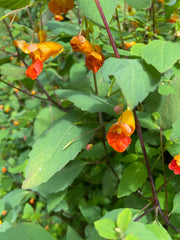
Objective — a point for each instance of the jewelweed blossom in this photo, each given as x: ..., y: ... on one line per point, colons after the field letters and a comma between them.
x: 94, y: 61
x: 60, y: 6
x: 39, y: 53
x: 118, y: 136
x: 80, y: 44
x: 175, y: 164
x: 93, y: 56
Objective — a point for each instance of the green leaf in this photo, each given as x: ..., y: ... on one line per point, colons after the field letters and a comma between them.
x: 1, y: 205
x: 110, y: 182
x: 56, y: 147
x: 63, y: 27
x: 54, y: 199
x: 159, y: 231
x: 129, y: 158
x: 72, y: 234
x: 90, y: 213
x: 135, y: 78
x: 26, y: 231
x: 14, y: 198
x: 88, y: 102
x: 156, y: 103
x: 44, y: 118
x: 139, y: 4
x: 176, y: 204
x: 92, y: 234
x: 146, y: 121
x: 131, y: 237
x: 3, y: 133
x: 12, y: 70
x: 176, y: 130
x: 106, y: 228
x: 165, y: 88
x: 137, y: 49
x: 124, y: 218
x: 171, y: 6
x: 61, y: 180
x: 128, y: 184
x: 91, y: 12
x: 28, y: 211
x: 140, y: 231
x: 162, y: 55
x: 11, y: 4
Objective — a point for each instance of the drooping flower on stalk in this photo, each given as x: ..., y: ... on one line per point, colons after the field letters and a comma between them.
x: 175, y: 164
x: 93, y: 56
x: 58, y: 7
x: 118, y: 136
x: 39, y: 53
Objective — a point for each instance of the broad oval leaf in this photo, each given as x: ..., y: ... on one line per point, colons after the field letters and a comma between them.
x: 26, y: 231
x: 124, y: 219
x: 106, y: 228
x: 63, y: 27
x: 11, y: 4
x: 133, y: 178
x: 139, y: 4
x: 135, y: 78
x: 88, y: 102
x: 176, y: 204
x: 162, y: 55
x: 61, y: 180
x: 53, y: 150
x: 12, y: 71
x: 91, y: 12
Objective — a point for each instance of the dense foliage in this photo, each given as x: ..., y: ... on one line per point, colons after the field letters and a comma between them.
x: 89, y: 119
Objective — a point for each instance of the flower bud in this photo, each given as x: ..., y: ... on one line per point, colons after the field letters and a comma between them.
x: 89, y: 146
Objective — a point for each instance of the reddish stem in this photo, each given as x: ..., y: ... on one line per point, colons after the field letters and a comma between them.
x: 107, y: 28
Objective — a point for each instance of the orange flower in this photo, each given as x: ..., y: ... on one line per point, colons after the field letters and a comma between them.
x: 34, y: 70
x: 60, y: 6
x: 31, y: 201
x: 129, y: 44
x: 39, y: 52
x: 175, y: 164
x: 16, y: 123
x: 58, y: 17
x: 173, y: 19
x: 94, y: 57
x: 161, y: 1
x: 94, y: 61
x: 4, y: 169
x: 80, y: 44
x: 3, y: 212
x: 118, y: 136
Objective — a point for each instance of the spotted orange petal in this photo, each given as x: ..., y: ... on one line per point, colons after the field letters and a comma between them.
x: 94, y: 61
x: 22, y: 45
x: 34, y: 70
x: 117, y: 139
x: 81, y: 44
x: 127, y: 118
x: 46, y: 50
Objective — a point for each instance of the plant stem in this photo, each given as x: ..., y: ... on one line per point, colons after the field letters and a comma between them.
x: 164, y: 174
x: 107, y: 28
x: 119, y: 28
x: 142, y: 215
x: 138, y: 128
x: 104, y: 133
x: 154, y: 16
x: 25, y: 92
